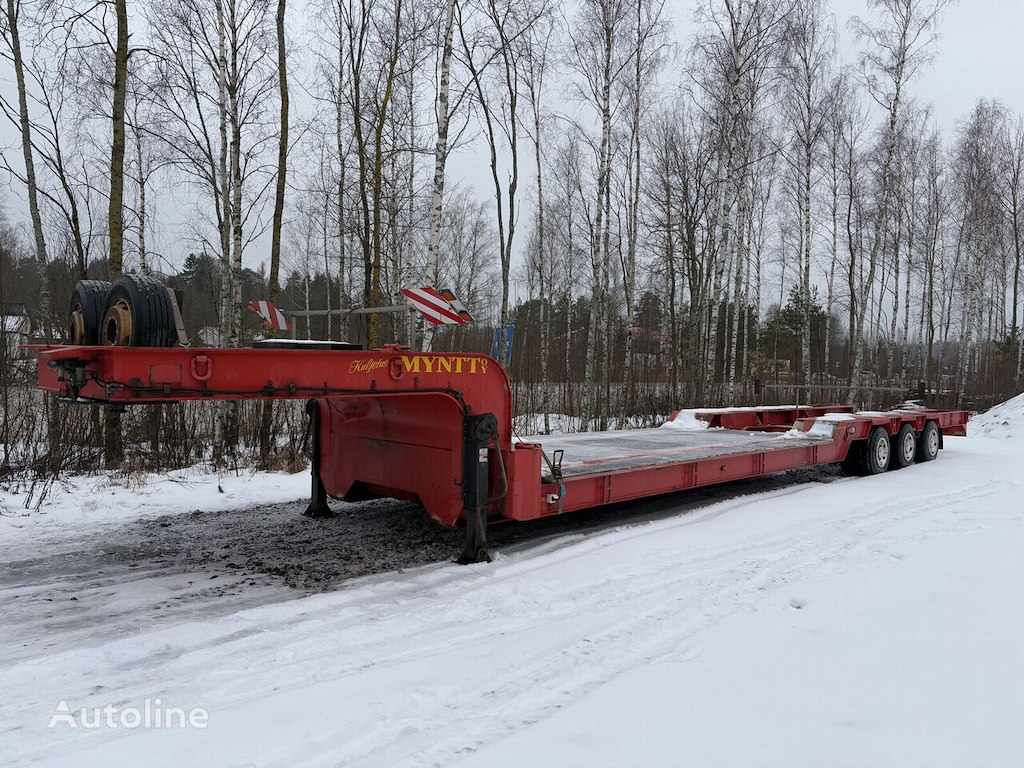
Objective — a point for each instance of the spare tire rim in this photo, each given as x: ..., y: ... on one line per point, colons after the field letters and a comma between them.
x: 76, y: 326
x: 117, y: 325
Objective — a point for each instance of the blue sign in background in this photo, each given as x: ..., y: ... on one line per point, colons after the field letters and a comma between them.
x: 510, y: 330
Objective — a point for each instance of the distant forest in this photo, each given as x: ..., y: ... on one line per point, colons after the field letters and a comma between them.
x: 744, y: 218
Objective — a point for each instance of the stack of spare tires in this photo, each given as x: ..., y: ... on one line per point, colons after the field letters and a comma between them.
x: 131, y: 311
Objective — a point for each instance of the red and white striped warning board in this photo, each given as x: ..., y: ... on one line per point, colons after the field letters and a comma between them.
x: 271, y: 315
x: 433, y: 306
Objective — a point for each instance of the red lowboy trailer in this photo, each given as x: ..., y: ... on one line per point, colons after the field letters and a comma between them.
x: 437, y: 429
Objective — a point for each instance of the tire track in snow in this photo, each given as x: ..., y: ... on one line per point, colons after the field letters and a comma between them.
x: 652, y: 633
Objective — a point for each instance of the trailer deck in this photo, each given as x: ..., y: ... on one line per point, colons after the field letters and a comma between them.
x: 437, y: 429
x: 594, y: 452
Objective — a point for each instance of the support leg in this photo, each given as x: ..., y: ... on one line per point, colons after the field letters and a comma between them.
x: 475, y: 550
x: 477, y: 435
x: 318, y: 507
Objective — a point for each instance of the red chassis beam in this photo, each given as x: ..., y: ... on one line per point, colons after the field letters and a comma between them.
x: 599, y: 487
x: 138, y: 375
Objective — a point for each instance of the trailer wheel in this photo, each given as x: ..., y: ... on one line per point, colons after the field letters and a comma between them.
x: 877, y: 452
x: 85, y: 313
x: 904, y: 447
x: 928, y: 443
x: 138, y: 314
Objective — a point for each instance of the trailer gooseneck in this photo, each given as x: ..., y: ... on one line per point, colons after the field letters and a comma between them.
x: 437, y: 429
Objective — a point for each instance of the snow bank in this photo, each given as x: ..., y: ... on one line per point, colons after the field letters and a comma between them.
x: 823, y: 426
x: 1004, y: 421
x: 687, y: 420
x: 531, y: 425
x: 113, y: 496
x: 559, y: 423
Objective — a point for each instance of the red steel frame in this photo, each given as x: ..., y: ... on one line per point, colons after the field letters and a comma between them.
x: 391, y: 422
x: 586, y: 491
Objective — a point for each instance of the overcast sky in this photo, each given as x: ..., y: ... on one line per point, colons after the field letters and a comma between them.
x: 978, y: 52
x: 978, y: 55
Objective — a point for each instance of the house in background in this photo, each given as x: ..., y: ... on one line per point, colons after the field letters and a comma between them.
x: 209, y: 336
x: 15, y: 330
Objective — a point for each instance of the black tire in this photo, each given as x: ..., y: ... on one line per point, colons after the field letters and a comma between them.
x: 85, y: 312
x: 929, y: 442
x: 904, y: 448
x: 877, y: 452
x: 138, y: 313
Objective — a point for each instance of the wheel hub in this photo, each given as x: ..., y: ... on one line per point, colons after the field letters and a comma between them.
x: 117, y: 325
x: 909, y: 447
x: 882, y: 453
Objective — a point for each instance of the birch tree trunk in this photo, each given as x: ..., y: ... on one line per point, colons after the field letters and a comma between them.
x: 225, y: 180
x: 670, y: 263
x: 644, y: 55
x: 740, y: 260
x: 605, y: 314
x: 834, y: 183
x: 142, y: 181
x: 378, y: 165
x: 113, y: 448
x: 606, y: 18
x: 274, y: 287
x: 440, y: 156
x: 537, y: 59
x: 911, y: 245
x: 440, y: 148
x: 1014, y: 151
x: 343, y: 286
x: 226, y: 412
x: 13, y: 25
x: 115, y: 210
x: 897, y: 250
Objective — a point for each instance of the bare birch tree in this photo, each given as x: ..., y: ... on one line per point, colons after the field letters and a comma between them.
x: 1012, y: 198
x: 441, y: 148
x: 646, y: 45
x: 537, y: 56
x: 740, y: 40
x: 12, y: 40
x: 597, y: 61
x: 492, y: 47
x: 808, y: 55
x: 214, y: 85
x: 897, y: 46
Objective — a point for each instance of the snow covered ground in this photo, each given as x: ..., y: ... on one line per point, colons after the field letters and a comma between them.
x: 863, y: 622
